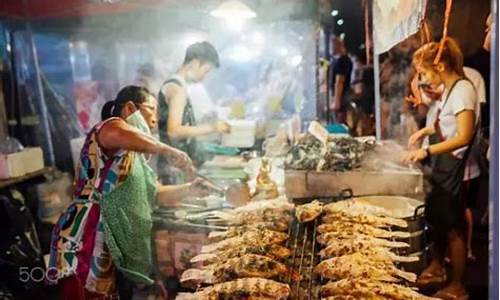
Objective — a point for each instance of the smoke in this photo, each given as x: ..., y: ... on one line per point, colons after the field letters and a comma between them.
x: 262, y: 61
x: 395, y: 178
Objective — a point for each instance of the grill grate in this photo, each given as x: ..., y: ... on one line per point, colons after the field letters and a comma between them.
x: 302, y: 241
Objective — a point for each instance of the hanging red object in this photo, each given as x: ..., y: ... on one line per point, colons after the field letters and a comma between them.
x: 449, y: 4
x: 368, y: 38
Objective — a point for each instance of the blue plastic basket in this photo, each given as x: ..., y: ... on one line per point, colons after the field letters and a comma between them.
x: 337, y: 128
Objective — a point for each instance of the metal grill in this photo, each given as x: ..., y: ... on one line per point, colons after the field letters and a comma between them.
x: 302, y: 242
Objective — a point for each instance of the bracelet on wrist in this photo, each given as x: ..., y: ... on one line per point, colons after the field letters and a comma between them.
x: 427, y: 151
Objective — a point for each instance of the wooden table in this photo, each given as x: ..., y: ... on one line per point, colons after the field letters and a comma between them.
x: 12, y: 181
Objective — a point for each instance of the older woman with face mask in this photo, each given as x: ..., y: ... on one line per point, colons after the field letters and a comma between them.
x: 107, y: 229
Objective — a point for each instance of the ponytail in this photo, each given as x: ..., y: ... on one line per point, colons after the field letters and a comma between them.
x: 108, y: 110
x: 131, y: 93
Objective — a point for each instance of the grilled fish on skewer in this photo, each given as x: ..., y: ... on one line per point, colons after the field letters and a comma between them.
x: 308, y: 212
x: 355, y: 206
x: 237, y: 231
x: 346, y: 247
x: 353, y: 229
x: 351, y: 217
x: 357, y: 265
x: 280, y: 204
x: 257, y: 216
x: 245, y: 288
x: 277, y: 225
x: 359, y: 296
x: 381, y: 289
x: 249, y: 265
x: 249, y: 238
x: 274, y: 251
x: 341, y: 237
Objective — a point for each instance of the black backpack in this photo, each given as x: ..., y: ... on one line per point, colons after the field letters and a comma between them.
x: 19, y: 248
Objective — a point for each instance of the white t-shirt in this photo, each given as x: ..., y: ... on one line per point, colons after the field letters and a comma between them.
x: 463, y: 97
x: 477, y: 80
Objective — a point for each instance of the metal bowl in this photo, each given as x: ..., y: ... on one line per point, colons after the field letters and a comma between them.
x: 238, y: 194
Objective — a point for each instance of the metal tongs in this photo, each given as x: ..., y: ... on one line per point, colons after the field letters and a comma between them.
x: 212, y: 185
x: 185, y: 211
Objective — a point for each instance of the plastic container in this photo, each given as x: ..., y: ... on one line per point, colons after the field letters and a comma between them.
x: 242, y: 134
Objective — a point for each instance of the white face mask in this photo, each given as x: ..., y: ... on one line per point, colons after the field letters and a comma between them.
x: 440, y: 89
x: 426, y: 100
x: 137, y: 120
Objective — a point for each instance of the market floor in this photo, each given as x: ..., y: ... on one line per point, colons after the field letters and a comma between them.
x: 477, y: 276
x: 476, y: 273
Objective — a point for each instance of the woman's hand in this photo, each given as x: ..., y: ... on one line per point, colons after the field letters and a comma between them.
x: 179, y: 159
x: 197, y: 188
x: 190, y: 173
x: 416, y: 139
x: 414, y: 156
x: 221, y: 127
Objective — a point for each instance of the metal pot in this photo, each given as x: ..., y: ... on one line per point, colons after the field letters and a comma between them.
x: 238, y: 194
x: 418, y: 231
x: 417, y: 221
x: 417, y: 241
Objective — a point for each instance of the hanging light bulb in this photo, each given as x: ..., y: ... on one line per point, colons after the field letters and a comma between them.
x: 233, y: 9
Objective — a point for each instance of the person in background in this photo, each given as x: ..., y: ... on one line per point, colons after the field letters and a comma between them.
x: 114, y: 192
x: 357, y: 68
x: 341, y: 69
x: 364, y: 92
x: 427, y: 100
x: 481, y: 61
x: 177, y: 123
x: 450, y: 138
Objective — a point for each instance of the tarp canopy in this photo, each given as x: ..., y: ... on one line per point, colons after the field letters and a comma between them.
x: 46, y: 9
x: 42, y: 9
x: 394, y: 21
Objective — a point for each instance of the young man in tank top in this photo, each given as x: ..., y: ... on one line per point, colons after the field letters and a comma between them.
x: 177, y: 122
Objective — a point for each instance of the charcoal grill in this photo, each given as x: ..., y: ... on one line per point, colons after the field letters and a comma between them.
x: 302, y: 241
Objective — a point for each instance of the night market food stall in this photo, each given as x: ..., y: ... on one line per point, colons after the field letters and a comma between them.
x: 297, y: 207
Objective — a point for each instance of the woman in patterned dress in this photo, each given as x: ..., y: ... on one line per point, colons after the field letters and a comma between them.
x: 80, y: 260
